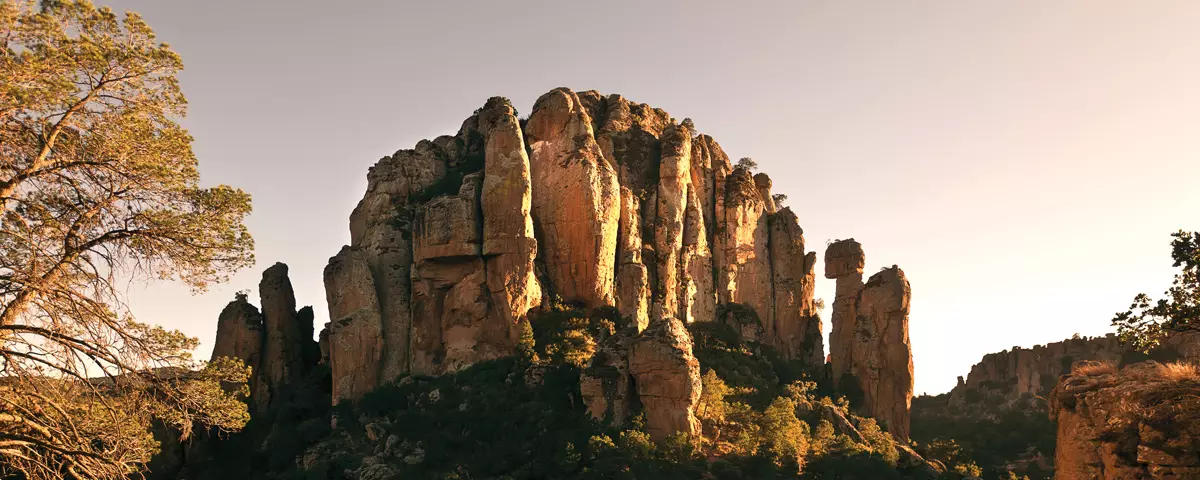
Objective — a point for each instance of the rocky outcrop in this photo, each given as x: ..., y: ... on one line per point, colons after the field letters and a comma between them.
x: 606, y: 385
x: 277, y: 343
x: 1035, y: 370
x: 354, y: 338
x: 882, y: 354
x: 594, y: 200
x: 576, y: 199
x: 797, y: 327
x: 633, y: 281
x: 745, y: 275
x: 844, y: 261
x: 1141, y: 422
x: 667, y: 377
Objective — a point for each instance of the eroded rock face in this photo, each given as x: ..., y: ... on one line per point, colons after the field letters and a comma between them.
x: 239, y: 332
x: 606, y: 385
x: 882, y: 353
x: 1136, y: 423
x: 355, y: 333
x: 745, y: 275
x: 505, y: 204
x: 633, y: 281
x: 277, y: 343
x: 667, y: 376
x: 576, y: 199
x: 797, y: 328
x: 844, y: 261
x: 594, y: 200
x: 288, y: 335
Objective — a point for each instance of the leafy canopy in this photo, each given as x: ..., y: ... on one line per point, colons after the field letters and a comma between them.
x: 1147, y: 324
x: 99, y: 185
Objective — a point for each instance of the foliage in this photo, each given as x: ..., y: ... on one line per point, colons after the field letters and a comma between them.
x: 569, y: 334
x: 1148, y: 324
x: 99, y: 185
x: 990, y: 428
x: 779, y: 198
x: 747, y: 163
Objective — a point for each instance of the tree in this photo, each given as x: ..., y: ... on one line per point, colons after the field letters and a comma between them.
x: 779, y: 198
x: 99, y: 186
x: 747, y: 163
x: 1146, y: 325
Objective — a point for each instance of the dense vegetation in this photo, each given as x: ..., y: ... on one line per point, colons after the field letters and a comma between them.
x: 990, y: 427
x: 523, y: 418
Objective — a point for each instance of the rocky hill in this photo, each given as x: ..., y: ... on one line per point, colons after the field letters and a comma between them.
x: 593, y: 201
x: 592, y: 262
x: 1140, y: 421
x: 1000, y: 414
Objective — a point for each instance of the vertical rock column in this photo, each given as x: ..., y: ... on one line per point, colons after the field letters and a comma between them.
x: 508, y: 241
x: 844, y: 262
x: 674, y: 179
x: 882, y: 353
x: 288, y: 336
x: 633, y: 281
x: 354, y: 339
x: 745, y: 275
x: 797, y: 332
x: 576, y: 200
x: 241, y: 335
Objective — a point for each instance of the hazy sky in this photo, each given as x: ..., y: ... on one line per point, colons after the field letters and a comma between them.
x: 1024, y: 162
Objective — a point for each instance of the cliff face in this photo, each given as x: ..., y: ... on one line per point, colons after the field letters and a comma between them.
x: 595, y: 200
x: 1141, y: 422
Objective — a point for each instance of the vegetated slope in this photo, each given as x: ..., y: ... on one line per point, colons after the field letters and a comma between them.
x: 523, y: 418
x: 998, y: 416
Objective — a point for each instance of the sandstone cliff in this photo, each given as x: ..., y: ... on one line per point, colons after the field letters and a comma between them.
x: 594, y: 200
x: 1141, y: 422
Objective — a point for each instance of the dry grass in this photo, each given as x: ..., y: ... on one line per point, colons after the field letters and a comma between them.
x: 1093, y: 369
x: 1179, y: 371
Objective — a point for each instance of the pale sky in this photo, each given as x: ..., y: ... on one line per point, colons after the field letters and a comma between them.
x: 1024, y: 162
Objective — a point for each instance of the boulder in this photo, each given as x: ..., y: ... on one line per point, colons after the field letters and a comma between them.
x: 667, y: 377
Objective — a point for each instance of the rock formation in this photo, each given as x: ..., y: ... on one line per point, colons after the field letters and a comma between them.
x: 667, y: 377
x: 869, y: 346
x: 594, y: 200
x: 1141, y: 422
x: 606, y: 385
x: 844, y: 261
x: 354, y: 338
x: 797, y: 326
x: 881, y: 353
x: 277, y: 344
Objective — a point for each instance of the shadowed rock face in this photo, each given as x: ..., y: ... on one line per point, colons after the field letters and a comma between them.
x: 595, y: 200
x: 277, y: 343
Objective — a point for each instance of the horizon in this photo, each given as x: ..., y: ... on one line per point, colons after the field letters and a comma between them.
x: 1010, y: 151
